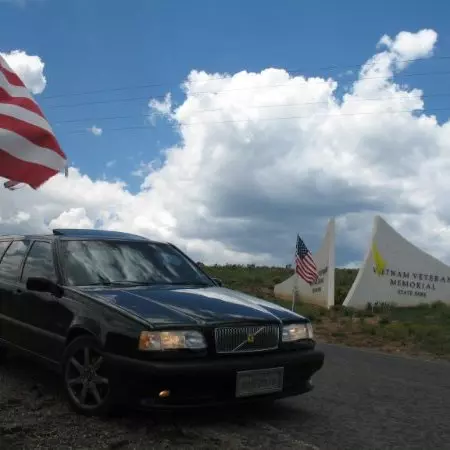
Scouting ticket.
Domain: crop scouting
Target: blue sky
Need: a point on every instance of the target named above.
(122, 48)
(91, 45)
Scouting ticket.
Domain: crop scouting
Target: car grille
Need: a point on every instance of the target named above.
(247, 339)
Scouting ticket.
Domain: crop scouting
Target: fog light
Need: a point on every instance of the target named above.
(164, 394)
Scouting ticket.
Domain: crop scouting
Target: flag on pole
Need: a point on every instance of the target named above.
(305, 266)
(29, 151)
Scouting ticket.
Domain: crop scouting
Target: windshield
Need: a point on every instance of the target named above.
(127, 262)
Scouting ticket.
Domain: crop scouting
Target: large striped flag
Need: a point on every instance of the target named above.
(29, 151)
(304, 262)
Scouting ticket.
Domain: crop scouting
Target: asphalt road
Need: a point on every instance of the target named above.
(363, 400)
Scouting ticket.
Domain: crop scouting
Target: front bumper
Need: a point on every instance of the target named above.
(204, 382)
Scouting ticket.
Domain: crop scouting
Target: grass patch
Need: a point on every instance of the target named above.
(421, 329)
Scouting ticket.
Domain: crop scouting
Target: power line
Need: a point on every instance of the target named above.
(187, 124)
(268, 86)
(446, 72)
(293, 72)
(109, 101)
(286, 105)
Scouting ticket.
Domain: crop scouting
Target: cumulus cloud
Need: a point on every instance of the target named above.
(407, 46)
(262, 156)
(96, 131)
(73, 218)
(162, 108)
(30, 69)
(145, 168)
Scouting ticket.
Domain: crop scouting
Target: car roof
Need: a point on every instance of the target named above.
(76, 233)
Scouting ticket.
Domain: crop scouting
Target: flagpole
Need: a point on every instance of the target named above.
(293, 290)
(294, 284)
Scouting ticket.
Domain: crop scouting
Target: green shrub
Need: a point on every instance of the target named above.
(384, 320)
(395, 331)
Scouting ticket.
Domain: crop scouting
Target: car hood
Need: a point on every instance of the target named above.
(162, 306)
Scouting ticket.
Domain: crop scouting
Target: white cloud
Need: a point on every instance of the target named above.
(96, 131)
(410, 45)
(145, 169)
(142, 171)
(264, 155)
(160, 108)
(111, 163)
(30, 69)
(163, 107)
(352, 265)
(73, 218)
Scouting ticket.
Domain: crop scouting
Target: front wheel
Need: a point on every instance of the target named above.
(3, 353)
(87, 383)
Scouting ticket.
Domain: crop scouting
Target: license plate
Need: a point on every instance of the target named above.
(258, 382)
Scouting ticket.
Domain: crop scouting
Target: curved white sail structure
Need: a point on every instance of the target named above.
(322, 291)
(396, 272)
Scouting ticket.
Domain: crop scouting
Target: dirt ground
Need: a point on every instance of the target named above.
(34, 415)
(363, 400)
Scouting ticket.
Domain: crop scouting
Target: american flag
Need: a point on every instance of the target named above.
(304, 263)
(29, 151)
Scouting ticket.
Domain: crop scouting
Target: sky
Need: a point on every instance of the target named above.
(229, 127)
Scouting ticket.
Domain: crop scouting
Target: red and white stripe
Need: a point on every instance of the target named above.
(306, 268)
(29, 151)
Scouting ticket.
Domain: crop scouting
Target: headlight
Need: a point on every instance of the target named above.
(297, 331)
(171, 340)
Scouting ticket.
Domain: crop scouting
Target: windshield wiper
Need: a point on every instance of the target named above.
(190, 283)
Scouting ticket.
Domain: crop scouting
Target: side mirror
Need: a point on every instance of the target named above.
(218, 281)
(40, 284)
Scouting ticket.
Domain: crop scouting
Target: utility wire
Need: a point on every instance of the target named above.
(187, 124)
(445, 72)
(286, 105)
(268, 86)
(293, 72)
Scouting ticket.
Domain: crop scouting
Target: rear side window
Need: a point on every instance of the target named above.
(3, 246)
(12, 259)
(39, 262)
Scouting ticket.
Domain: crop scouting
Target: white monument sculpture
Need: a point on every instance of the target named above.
(321, 292)
(398, 273)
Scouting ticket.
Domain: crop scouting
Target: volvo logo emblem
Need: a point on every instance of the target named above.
(250, 339)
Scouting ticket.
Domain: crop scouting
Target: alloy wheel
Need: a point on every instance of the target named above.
(87, 384)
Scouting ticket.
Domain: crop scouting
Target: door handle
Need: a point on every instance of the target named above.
(19, 291)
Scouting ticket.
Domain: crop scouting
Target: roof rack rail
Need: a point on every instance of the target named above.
(80, 232)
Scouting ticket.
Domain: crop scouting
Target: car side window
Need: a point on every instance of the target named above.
(39, 262)
(12, 259)
(3, 246)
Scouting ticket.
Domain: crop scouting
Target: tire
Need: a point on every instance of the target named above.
(87, 381)
(3, 353)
